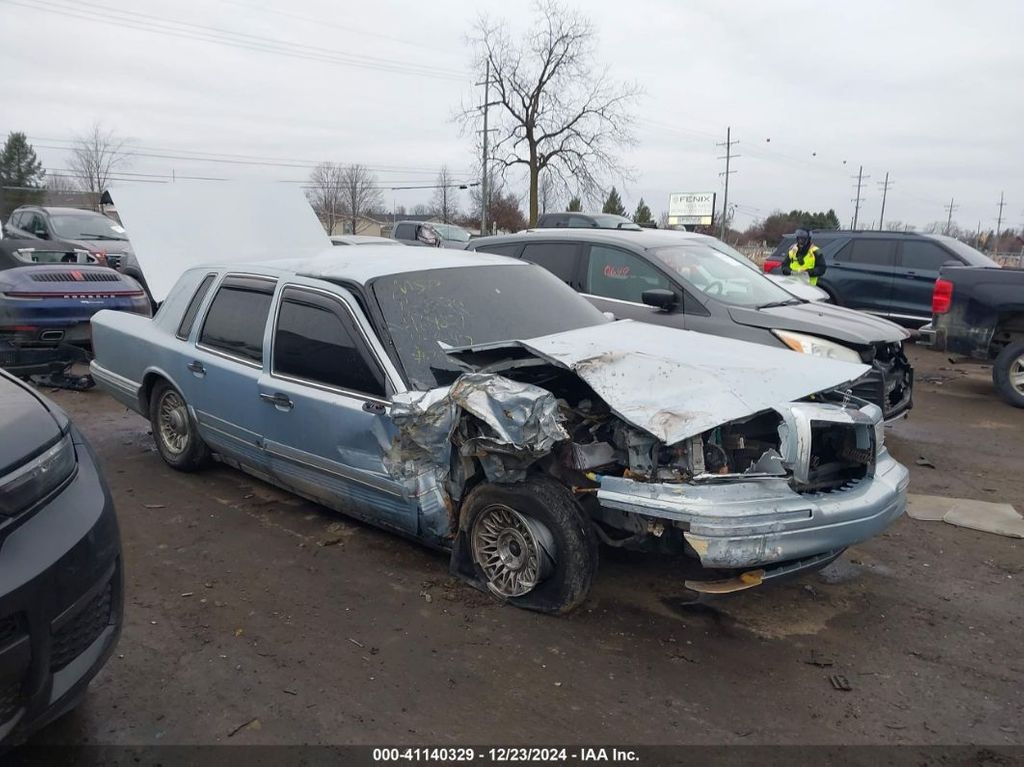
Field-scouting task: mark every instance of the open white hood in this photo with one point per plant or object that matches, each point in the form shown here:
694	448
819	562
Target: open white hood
174	227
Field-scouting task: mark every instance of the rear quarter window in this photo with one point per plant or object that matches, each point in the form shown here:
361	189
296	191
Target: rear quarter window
188	319
237	318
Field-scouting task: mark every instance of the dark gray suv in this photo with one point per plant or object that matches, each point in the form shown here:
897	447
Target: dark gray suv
691	281
890	274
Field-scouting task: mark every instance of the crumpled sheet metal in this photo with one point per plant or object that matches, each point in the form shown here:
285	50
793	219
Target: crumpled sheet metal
513	425
675	384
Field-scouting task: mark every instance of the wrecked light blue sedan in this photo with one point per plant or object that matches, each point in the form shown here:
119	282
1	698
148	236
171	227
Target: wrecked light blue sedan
479	405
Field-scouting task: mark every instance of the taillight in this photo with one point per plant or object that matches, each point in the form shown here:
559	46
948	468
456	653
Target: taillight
942	296
771	264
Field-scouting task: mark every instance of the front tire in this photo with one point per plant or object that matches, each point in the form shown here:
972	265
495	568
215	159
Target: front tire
1008	374
531	544
174	431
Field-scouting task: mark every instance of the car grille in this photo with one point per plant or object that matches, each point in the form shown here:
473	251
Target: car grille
10	700
75	276
82	630
10	627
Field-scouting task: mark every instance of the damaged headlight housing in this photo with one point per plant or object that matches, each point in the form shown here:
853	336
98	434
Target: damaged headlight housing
31	483
818	347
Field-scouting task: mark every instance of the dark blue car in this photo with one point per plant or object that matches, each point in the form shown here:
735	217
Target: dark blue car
890	274
47	299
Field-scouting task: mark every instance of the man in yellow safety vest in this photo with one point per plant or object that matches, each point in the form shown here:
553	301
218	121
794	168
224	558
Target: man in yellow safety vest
804	257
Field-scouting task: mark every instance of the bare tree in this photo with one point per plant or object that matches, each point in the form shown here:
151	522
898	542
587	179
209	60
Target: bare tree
547	193
443	204
96	156
360	192
557	109
326	194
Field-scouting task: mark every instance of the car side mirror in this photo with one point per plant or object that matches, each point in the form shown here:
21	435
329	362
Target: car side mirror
41	234
427	236
660	298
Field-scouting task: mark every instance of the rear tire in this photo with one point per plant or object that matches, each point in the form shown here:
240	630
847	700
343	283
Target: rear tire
174	431
531	544
1008	374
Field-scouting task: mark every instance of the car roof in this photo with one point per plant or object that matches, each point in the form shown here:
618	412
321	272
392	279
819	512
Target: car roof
363	263
363	239
57	209
644	240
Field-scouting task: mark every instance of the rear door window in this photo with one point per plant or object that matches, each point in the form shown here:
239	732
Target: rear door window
923	256
559	258
580	222
870	252
237	318
405	232
189	317
317	340
618	274
502	250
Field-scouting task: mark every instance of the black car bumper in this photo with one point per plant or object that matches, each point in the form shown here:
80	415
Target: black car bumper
25	361
61	601
889	384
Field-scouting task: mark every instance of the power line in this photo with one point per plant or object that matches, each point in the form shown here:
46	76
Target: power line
186	30
227	159
884	186
334	25
949	220
728	143
858	199
999	224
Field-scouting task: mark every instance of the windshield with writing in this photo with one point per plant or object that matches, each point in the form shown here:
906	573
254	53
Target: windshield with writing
722	277
472	305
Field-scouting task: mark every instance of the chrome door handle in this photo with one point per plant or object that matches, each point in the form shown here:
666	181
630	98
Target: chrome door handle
196	367
373	407
278	400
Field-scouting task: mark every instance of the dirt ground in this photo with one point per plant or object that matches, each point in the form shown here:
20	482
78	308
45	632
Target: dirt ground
255	617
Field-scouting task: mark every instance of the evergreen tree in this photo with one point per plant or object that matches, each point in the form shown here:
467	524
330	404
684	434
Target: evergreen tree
613	204
575	205
20	171
642	214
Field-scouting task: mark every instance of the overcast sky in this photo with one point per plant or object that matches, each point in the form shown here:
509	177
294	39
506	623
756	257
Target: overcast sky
929	91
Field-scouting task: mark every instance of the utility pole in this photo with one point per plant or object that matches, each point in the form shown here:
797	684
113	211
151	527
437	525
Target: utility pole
999	223
858	199
485	186
727	157
949	219
884	186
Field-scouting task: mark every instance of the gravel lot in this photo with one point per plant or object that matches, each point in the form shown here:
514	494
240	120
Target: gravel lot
253	617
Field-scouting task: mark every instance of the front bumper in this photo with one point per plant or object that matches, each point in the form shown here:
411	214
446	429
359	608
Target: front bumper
737	524
889	384
61	600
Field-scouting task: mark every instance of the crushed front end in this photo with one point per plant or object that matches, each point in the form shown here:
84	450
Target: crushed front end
890	382
780	491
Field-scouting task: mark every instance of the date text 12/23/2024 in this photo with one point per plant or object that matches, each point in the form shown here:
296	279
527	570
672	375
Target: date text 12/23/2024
503	754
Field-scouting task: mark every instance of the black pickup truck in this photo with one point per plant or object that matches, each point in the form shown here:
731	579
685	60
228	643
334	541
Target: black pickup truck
978	313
